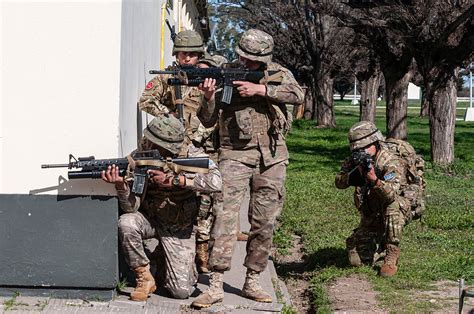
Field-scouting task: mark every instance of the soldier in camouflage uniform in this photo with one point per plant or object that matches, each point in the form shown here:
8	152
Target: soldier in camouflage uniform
168	211
377	196
252	155
207	139
159	97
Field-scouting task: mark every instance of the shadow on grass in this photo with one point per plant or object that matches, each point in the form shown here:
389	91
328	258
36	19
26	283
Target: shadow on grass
322	258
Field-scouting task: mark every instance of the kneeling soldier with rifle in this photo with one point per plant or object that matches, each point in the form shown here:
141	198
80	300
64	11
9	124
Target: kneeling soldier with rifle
168	211
379	177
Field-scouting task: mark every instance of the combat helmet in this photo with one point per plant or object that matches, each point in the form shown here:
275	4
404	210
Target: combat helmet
213	61
188	41
219	60
362	134
256	45
166	131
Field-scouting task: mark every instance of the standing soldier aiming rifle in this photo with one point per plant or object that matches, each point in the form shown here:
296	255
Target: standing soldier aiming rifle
388	193
168	211
181	101
252	155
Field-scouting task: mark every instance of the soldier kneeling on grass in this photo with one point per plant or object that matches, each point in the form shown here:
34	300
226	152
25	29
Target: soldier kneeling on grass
386	195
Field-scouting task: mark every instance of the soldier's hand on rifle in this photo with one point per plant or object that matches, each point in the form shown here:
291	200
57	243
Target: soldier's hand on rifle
209	88
347	165
249	89
112	175
160	178
371	177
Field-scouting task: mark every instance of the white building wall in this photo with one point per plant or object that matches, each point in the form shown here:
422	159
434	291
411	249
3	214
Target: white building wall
60	71
140	52
71	75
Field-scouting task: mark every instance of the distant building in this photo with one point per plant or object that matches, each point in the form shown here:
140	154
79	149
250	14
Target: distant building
414	92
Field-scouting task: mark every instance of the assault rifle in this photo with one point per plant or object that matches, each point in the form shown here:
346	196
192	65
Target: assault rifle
360	157
143	161
193	76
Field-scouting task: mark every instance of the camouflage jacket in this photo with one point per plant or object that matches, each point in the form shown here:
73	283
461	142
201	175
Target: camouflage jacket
176	205
159	97
389	171
252	128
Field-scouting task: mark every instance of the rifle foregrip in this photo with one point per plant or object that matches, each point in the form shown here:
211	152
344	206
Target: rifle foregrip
192	82
93	174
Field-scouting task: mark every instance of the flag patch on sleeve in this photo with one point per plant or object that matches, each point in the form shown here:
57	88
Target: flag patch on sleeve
389	176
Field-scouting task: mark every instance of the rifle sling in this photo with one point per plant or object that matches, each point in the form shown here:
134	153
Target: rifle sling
275	77
170	165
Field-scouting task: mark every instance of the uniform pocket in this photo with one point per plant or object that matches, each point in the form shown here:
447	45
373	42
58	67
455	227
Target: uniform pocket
244	122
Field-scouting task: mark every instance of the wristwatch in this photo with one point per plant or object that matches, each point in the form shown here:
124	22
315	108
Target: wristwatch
176	181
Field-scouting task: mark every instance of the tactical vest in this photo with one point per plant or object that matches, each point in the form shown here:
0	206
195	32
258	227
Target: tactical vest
414	164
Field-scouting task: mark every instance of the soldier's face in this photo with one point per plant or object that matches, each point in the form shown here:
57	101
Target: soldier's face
187	58
372	150
250	64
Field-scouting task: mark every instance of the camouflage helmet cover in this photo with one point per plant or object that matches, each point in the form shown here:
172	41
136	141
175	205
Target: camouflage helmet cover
188	41
256	45
219	60
213	61
362	134
166	131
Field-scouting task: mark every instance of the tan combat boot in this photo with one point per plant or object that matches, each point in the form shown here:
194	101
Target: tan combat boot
145	284
202	257
389	267
252	289
214	294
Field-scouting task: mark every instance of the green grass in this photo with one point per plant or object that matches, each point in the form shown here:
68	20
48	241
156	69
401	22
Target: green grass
12	303
121	285
436	248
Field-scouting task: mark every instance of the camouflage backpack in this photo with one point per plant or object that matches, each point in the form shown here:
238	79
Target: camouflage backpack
415	167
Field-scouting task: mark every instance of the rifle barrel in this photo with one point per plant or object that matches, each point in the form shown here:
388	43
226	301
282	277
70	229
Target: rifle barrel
161	72
55	166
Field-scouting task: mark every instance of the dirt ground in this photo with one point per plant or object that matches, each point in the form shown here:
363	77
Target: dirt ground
445	294
355	294
291	266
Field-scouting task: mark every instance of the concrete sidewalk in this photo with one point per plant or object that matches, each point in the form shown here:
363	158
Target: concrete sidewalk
160	302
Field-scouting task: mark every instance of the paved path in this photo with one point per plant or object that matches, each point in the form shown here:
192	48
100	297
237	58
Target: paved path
160	302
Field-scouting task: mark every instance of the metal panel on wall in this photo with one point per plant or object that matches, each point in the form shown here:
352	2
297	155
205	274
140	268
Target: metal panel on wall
58	241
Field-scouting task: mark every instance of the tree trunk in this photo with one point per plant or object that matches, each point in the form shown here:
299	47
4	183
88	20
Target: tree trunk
308	104
325	103
397	103
368	97
442	119
425	105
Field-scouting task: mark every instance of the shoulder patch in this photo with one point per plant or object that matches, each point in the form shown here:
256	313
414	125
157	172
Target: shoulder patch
389	176
149	85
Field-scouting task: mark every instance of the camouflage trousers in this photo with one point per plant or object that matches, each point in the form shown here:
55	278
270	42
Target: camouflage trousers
266	202
179	249
206	215
367	242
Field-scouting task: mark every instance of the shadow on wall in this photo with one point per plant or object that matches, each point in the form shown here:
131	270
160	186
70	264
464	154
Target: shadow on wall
67	189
